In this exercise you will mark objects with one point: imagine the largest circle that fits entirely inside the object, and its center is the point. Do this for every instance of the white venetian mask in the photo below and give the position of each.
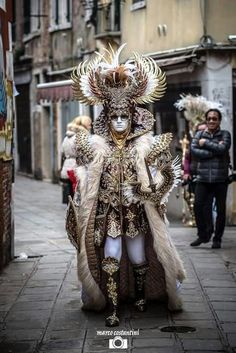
(120, 123)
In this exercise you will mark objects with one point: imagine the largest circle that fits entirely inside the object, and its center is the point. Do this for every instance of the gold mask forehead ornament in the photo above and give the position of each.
(118, 86)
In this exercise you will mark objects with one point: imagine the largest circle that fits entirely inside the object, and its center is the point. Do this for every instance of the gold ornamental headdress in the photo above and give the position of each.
(104, 81)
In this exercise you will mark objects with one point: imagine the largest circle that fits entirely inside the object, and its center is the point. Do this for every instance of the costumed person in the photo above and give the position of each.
(68, 161)
(83, 120)
(117, 219)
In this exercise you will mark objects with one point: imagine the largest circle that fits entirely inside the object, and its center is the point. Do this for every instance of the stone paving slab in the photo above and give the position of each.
(201, 333)
(61, 344)
(154, 350)
(30, 334)
(229, 327)
(206, 345)
(18, 347)
(152, 342)
(222, 283)
(232, 339)
(77, 350)
(222, 305)
(205, 351)
(65, 334)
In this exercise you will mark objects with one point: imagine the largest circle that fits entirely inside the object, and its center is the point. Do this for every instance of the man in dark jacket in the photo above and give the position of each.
(211, 148)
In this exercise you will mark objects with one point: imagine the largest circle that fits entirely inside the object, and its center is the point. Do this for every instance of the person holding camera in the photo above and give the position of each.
(211, 148)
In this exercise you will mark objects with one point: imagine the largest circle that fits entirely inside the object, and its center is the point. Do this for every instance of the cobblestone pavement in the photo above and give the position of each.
(39, 295)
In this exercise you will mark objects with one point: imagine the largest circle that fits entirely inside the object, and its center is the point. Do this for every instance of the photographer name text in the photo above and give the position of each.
(118, 333)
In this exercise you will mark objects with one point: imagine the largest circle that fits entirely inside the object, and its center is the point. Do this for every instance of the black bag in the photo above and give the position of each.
(67, 190)
(232, 175)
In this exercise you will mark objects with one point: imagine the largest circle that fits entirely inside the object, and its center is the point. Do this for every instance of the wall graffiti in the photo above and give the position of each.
(223, 96)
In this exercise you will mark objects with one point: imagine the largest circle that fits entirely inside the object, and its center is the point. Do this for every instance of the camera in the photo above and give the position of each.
(118, 343)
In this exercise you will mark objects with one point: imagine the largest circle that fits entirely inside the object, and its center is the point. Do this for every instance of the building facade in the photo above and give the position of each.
(50, 40)
(194, 42)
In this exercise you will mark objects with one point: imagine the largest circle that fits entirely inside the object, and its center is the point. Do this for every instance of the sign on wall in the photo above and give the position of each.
(6, 86)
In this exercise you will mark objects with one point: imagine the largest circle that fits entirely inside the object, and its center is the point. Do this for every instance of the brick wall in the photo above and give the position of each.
(6, 223)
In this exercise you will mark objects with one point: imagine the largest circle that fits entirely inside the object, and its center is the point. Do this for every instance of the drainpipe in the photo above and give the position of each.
(206, 40)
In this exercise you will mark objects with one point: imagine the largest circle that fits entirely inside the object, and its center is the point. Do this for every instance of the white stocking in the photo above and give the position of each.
(113, 247)
(136, 250)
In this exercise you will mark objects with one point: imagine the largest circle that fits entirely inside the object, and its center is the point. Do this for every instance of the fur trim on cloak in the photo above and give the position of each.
(164, 248)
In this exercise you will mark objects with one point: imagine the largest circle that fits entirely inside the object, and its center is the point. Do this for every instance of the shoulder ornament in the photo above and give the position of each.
(160, 145)
(84, 152)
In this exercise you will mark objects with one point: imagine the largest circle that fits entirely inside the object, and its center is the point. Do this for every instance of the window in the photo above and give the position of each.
(60, 14)
(32, 15)
(27, 8)
(108, 17)
(14, 20)
(35, 15)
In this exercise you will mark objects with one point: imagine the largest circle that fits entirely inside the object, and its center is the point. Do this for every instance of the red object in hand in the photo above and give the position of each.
(72, 177)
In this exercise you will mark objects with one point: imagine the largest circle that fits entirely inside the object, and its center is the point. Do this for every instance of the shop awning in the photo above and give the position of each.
(55, 91)
(175, 61)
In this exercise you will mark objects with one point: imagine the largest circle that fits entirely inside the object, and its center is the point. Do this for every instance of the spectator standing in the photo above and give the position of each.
(67, 162)
(211, 148)
(68, 175)
(83, 121)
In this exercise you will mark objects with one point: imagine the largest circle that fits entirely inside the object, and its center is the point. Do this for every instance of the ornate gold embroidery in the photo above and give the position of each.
(98, 237)
(140, 275)
(84, 153)
(113, 225)
(140, 278)
(112, 290)
(140, 305)
(160, 145)
(156, 193)
(118, 169)
(72, 226)
(110, 265)
(112, 320)
(130, 216)
(132, 231)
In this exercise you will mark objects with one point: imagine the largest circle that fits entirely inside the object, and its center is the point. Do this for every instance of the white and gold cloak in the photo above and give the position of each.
(165, 266)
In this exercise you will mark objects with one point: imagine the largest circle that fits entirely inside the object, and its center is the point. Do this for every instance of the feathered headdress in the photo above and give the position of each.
(101, 80)
(195, 108)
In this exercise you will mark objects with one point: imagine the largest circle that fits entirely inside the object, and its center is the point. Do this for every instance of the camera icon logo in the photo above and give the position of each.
(118, 343)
